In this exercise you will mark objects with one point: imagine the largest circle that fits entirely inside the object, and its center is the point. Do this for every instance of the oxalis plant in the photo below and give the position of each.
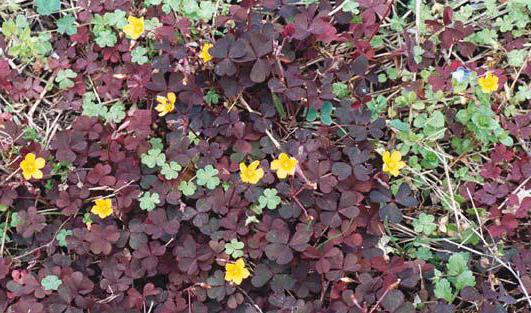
(264, 156)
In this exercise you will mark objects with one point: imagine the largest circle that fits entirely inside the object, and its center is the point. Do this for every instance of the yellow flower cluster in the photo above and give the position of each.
(284, 165)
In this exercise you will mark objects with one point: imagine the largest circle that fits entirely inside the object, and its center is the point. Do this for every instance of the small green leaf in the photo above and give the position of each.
(156, 143)
(465, 279)
(47, 7)
(116, 19)
(61, 237)
(277, 102)
(311, 115)
(457, 263)
(15, 220)
(51, 282)
(269, 199)
(443, 290)
(116, 113)
(138, 55)
(170, 170)
(424, 253)
(234, 248)
(153, 158)
(149, 200)
(187, 188)
(64, 78)
(66, 25)
(207, 176)
(340, 90)
(326, 111)
(351, 6)
(106, 38)
(425, 224)
(211, 97)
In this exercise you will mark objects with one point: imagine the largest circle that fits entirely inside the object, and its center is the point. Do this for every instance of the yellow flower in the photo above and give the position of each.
(393, 162)
(204, 52)
(236, 272)
(251, 174)
(166, 104)
(135, 28)
(102, 207)
(284, 165)
(488, 83)
(31, 166)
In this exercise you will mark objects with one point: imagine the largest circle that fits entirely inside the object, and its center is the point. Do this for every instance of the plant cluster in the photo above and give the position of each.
(263, 156)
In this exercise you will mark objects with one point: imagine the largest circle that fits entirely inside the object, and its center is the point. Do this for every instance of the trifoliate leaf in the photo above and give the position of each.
(187, 188)
(153, 158)
(51, 282)
(66, 25)
(149, 200)
(269, 199)
(61, 237)
(170, 170)
(47, 7)
(208, 177)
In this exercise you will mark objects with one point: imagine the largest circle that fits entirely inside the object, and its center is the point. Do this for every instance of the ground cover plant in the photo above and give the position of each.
(265, 156)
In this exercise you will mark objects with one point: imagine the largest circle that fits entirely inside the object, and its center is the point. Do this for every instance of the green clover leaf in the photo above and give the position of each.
(47, 7)
(61, 237)
(207, 176)
(149, 200)
(340, 90)
(64, 78)
(15, 220)
(187, 188)
(424, 224)
(66, 25)
(269, 199)
(234, 248)
(156, 143)
(116, 113)
(170, 170)
(106, 38)
(153, 158)
(138, 55)
(51, 282)
(211, 97)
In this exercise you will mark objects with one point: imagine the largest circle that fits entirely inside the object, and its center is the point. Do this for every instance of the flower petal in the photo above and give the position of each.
(396, 156)
(37, 174)
(39, 163)
(171, 97)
